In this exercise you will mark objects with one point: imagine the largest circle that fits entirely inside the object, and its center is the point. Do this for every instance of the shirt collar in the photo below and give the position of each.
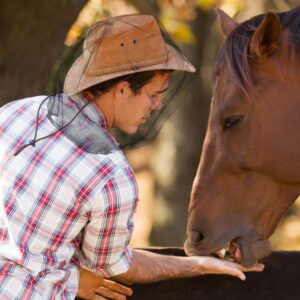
(87, 97)
(82, 122)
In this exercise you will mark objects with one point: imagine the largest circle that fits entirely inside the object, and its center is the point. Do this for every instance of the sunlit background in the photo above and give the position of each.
(32, 42)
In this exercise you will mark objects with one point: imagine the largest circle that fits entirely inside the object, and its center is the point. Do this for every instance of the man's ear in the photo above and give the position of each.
(122, 89)
(227, 24)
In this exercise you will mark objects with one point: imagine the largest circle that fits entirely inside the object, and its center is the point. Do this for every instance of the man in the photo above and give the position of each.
(68, 195)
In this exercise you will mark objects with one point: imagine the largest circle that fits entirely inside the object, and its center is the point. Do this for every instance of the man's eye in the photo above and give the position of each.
(232, 121)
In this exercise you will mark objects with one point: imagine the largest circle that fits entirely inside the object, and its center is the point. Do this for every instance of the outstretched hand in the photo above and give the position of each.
(93, 287)
(212, 265)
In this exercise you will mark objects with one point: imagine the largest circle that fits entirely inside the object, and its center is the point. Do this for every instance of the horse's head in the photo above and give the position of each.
(249, 172)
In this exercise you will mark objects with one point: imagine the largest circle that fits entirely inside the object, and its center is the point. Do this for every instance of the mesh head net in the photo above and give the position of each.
(113, 50)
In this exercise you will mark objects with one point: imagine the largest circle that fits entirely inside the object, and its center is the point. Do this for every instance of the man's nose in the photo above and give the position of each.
(157, 104)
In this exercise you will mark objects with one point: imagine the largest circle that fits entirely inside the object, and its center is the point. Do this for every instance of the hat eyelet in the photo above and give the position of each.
(122, 44)
(134, 41)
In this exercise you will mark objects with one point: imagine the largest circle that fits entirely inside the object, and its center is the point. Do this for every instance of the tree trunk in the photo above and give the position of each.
(32, 38)
(179, 142)
(146, 7)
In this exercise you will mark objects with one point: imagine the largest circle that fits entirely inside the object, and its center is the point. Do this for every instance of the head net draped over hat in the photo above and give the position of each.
(112, 48)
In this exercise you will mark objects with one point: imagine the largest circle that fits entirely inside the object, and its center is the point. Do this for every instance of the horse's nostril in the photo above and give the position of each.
(196, 236)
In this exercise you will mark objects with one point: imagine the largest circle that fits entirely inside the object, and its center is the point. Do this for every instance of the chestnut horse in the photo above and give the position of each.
(249, 172)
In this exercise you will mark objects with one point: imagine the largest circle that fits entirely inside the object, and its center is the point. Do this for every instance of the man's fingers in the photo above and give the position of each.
(258, 267)
(114, 286)
(97, 297)
(109, 293)
(237, 270)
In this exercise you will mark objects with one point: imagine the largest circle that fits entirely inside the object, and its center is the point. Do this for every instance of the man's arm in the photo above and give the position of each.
(150, 267)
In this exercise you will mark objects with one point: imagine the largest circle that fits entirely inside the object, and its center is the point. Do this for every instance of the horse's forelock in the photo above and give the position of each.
(234, 55)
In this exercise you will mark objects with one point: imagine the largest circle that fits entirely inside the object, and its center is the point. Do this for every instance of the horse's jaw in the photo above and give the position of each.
(248, 252)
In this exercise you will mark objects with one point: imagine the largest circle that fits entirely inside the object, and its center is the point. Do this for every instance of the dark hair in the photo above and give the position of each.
(136, 82)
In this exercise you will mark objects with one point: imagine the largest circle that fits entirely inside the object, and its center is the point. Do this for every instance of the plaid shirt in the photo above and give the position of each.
(61, 207)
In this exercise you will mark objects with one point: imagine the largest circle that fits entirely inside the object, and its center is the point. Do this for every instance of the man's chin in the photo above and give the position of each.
(132, 130)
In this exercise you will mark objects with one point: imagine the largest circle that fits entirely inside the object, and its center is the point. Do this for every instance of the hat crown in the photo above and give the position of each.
(123, 43)
(119, 46)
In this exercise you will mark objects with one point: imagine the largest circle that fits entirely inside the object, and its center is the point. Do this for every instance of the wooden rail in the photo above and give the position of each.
(279, 281)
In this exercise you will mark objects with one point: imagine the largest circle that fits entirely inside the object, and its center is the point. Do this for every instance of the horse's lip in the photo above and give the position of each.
(198, 249)
(235, 251)
(243, 249)
(251, 250)
(224, 249)
(206, 245)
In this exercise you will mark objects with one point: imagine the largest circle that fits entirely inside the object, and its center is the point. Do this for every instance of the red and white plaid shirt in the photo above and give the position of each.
(60, 207)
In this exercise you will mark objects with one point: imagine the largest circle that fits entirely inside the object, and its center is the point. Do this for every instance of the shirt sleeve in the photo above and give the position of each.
(107, 234)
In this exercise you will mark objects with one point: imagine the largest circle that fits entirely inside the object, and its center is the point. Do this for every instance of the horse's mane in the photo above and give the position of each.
(234, 55)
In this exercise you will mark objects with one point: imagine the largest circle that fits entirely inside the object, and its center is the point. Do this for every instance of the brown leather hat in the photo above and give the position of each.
(119, 46)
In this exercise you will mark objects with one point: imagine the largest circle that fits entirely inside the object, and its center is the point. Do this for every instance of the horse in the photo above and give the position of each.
(249, 171)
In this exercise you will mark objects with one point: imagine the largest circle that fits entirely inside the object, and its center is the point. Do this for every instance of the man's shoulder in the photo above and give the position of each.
(23, 102)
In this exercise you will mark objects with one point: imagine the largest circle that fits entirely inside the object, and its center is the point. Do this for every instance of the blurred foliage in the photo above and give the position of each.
(180, 31)
(95, 11)
(206, 4)
(287, 234)
(175, 15)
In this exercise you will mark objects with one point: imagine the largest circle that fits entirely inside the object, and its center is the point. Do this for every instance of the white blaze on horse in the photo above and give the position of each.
(249, 173)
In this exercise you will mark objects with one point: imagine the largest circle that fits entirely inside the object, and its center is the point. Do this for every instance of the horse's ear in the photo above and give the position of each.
(227, 24)
(265, 39)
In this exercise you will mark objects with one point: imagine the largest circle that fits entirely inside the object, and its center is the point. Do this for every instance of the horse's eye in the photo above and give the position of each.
(232, 121)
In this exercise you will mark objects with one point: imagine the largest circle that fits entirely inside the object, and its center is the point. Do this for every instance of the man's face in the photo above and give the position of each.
(133, 110)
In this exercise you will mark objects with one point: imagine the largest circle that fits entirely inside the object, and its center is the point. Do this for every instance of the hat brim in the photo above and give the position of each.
(76, 80)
